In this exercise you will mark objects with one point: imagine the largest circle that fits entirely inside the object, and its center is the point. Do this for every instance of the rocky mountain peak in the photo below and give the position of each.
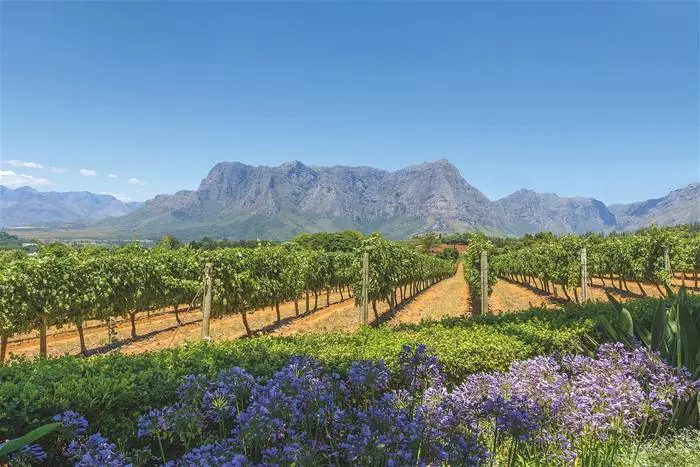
(236, 200)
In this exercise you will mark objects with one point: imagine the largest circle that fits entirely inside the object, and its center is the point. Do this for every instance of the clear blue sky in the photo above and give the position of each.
(592, 98)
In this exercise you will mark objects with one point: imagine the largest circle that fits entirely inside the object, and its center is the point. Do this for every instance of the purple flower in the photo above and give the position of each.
(155, 421)
(368, 379)
(517, 417)
(295, 406)
(34, 451)
(420, 369)
(95, 451)
(553, 409)
(72, 421)
(192, 389)
(228, 394)
(539, 380)
(384, 433)
(467, 451)
(220, 453)
(29, 455)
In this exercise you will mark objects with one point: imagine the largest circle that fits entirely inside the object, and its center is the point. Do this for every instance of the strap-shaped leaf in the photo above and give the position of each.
(625, 322)
(688, 334)
(16, 444)
(610, 329)
(669, 291)
(645, 336)
(617, 305)
(658, 327)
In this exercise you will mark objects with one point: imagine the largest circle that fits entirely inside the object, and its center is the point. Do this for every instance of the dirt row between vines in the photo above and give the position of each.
(447, 298)
(509, 296)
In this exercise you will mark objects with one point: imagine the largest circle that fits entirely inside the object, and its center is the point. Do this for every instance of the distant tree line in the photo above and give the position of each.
(8, 241)
(348, 240)
(211, 244)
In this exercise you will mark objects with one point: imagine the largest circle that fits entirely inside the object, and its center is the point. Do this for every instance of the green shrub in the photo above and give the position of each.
(681, 449)
(111, 390)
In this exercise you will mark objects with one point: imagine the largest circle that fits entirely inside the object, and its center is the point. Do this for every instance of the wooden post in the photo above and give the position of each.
(43, 352)
(3, 346)
(667, 262)
(206, 304)
(365, 288)
(584, 276)
(484, 282)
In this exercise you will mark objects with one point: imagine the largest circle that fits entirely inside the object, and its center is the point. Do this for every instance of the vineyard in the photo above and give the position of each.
(65, 287)
(632, 264)
(602, 370)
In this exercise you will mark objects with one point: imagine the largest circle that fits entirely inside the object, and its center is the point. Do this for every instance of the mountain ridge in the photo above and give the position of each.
(237, 200)
(25, 206)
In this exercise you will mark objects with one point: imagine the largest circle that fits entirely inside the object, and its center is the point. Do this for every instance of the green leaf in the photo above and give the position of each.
(626, 324)
(669, 291)
(614, 301)
(610, 329)
(658, 327)
(645, 336)
(16, 444)
(688, 334)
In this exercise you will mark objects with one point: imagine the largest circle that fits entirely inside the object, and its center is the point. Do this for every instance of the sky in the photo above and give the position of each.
(136, 98)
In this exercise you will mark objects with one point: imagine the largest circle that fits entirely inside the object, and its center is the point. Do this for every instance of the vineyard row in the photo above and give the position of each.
(63, 286)
(652, 256)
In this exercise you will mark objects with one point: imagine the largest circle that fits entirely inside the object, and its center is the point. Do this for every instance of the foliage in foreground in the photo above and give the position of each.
(573, 410)
(674, 332)
(674, 450)
(111, 390)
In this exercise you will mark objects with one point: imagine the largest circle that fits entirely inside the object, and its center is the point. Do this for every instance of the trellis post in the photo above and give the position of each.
(584, 275)
(206, 304)
(365, 288)
(484, 282)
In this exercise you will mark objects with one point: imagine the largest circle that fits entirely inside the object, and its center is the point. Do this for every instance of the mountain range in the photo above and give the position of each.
(242, 201)
(25, 207)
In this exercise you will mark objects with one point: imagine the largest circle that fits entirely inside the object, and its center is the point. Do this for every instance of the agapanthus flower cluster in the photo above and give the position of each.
(72, 421)
(31, 454)
(544, 408)
(368, 379)
(95, 451)
(87, 450)
(219, 453)
(420, 369)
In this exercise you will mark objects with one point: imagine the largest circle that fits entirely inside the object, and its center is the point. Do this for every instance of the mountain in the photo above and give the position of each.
(526, 211)
(25, 206)
(237, 200)
(242, 201)
(678, 207)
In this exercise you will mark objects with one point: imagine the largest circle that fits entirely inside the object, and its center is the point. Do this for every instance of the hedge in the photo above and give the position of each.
(111, 390)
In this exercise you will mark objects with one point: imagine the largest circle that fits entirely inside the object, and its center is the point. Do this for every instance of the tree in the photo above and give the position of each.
(426, 242)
